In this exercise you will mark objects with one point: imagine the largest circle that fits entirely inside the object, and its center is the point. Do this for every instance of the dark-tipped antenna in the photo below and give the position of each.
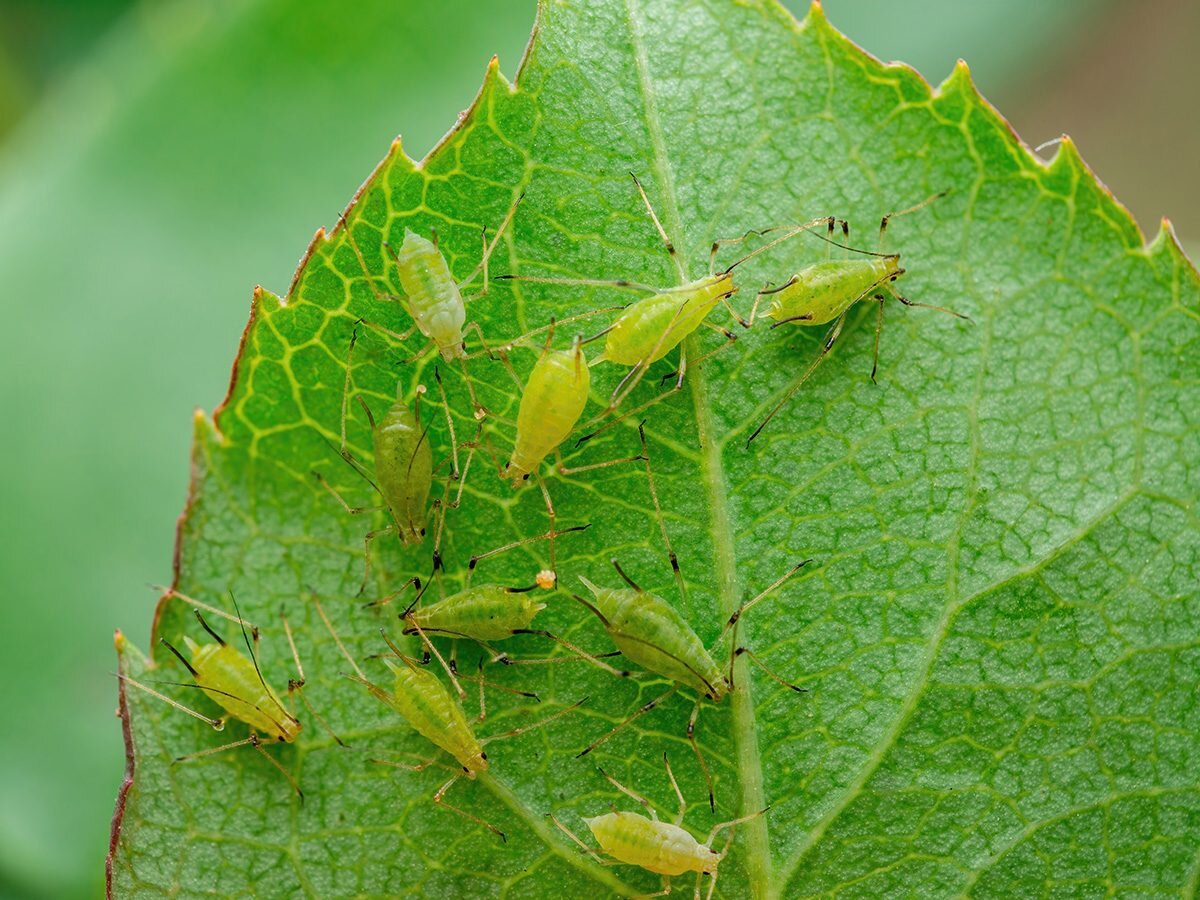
(203, 624)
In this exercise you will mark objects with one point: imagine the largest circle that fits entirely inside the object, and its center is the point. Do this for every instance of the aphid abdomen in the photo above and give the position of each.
(237, 688)
(550, 407)
(434, 300)
(656, 846)
(488, 612)
(652, 634)
(404, 469)
(823, 291)
(433, 712)
(653, 326)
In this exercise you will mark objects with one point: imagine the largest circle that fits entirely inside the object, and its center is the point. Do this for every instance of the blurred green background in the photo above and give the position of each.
(158, 158)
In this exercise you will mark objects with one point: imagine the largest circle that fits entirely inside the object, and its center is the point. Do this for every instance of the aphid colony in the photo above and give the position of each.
(646, 631)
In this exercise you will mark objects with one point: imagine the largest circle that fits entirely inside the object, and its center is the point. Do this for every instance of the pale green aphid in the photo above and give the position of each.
(233, 680)
(826, 291)
(402, 473)
(431, 295)
(665, 848)
(654, 325)
(420, 698)
(651, 633)
(551, 404)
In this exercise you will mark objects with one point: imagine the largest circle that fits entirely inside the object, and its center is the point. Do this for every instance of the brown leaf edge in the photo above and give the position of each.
(1165, 242)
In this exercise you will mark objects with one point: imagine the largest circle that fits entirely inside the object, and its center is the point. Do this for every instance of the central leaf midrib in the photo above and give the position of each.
(712, 472)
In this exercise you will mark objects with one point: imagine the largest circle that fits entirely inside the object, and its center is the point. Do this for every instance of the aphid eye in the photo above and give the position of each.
(525, 477)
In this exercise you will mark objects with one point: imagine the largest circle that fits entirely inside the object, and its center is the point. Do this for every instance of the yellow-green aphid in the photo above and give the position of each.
(826, 291)
(432, 296)
(234, 681)
(402, 474)
(654, 325)
(651, 633)
(551, 404)
(420, 698)
(665, 848)
(485, 612)
(403, 467)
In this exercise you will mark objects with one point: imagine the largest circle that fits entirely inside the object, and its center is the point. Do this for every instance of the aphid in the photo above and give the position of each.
(552, 402)
(402, 473)
(665, 848)
(654, 325)
(826, 291)
(432, 297)
(483, 613)
(421, 699)
(651, 633)
(233, 680)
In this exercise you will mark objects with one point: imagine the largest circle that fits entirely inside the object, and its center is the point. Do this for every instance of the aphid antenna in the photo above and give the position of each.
(629, 792)
(641, 711)
(187, 665)
(430, 648)
(246, 639)
(591, 606)
(580, 653)
(675, 787)
(791, 232)
(619, 283)
(731, 627)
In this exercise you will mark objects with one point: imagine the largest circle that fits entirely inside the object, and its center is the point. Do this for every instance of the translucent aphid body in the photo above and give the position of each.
(659, 847)
(435, 301)
(652, 634)
(655, 325)
(553, 401)
(826, 291)
(403, 469)
(231, 680)
(823, 291)
(435, 713)
(486, 612)
(665, 848)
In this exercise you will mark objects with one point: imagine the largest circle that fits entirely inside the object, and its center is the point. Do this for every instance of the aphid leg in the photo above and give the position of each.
(641, 711)
(441, 793)
(362, 263)
(732, 823)
(253, 739)
(480, 557)
(666, 889)
(352, 510)
(215, 724)
(672, 557)
(415, 581)
(337, 640)
(367, 539)
(580, 653)
(628, 792)
(830, 339)
(758, 662)
(790, 232)
(591, 851)
(554, 323)
(675, 787)
(732, 624)
(257, 745)
(691, 736)
(485, 683)
(533, 726)
(878, 330)
(296, 685)
(489, 248)
(941, 309)
(662, 233)
(398, 336)
(563, 469)
(208, 608)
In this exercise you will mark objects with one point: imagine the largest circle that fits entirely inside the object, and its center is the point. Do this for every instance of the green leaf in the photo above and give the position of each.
(998, 635)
